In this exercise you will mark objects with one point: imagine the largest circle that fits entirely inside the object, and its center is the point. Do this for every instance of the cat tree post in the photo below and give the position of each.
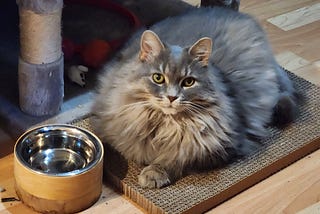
(40, 69)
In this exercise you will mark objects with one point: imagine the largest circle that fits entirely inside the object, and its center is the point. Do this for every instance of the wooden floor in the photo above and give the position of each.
(293, 28)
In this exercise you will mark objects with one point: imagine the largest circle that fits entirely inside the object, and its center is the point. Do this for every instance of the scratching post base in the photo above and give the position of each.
(41, 87)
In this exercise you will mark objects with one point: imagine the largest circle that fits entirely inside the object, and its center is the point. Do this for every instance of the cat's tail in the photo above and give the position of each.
(287, 107)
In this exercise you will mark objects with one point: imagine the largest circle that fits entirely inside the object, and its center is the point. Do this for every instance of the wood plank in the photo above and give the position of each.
(297, 18)
(266, 9)
(288, 191)
(303, 41)
(291, 61)
(310, 72)
(313, 209)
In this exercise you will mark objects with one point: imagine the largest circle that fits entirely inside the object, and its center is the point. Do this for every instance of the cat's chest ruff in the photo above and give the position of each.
(173, 130)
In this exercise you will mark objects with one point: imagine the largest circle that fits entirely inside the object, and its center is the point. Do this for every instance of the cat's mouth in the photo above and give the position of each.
(169, 110)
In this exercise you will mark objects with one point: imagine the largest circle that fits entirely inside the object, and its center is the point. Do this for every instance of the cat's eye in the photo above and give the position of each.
(188, 82)
(158, 78)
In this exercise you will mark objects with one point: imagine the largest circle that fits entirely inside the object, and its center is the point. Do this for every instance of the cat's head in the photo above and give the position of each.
(177, 78)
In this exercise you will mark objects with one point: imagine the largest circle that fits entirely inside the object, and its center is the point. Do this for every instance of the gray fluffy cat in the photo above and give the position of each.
(194, 91)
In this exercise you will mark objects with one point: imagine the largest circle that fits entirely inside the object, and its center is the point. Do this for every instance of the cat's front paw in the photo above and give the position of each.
(153, 176)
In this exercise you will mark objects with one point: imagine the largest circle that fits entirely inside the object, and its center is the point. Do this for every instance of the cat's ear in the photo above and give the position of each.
(201, 50)
(150, 46)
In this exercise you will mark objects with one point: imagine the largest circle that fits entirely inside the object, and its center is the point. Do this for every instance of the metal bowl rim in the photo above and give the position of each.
(86, 169)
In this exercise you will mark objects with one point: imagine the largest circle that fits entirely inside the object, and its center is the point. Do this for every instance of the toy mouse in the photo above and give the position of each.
(76, 74)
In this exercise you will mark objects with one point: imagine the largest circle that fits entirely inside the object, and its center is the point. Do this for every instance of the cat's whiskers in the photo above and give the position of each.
(197, 108)
(212, 114)
(130, 107)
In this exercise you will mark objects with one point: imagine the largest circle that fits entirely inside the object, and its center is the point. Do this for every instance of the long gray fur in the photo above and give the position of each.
(234, 99)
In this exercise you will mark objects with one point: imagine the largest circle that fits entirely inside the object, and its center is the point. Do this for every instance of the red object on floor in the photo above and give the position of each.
(97, 51)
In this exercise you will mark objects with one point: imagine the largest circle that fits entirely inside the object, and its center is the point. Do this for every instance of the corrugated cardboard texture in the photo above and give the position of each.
(199, 192)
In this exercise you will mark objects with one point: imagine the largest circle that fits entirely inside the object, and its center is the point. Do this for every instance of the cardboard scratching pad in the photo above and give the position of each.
(199, 192)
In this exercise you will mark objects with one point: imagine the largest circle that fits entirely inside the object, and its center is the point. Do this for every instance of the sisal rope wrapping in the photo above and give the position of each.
(40, 36)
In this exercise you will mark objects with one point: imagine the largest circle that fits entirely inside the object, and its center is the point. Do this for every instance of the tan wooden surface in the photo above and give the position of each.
(296, 188)
(289, 191)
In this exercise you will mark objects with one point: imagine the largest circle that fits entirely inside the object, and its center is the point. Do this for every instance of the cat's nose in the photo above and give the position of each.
(172, 98)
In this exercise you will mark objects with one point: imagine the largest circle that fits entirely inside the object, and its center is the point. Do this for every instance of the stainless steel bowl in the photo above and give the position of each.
(59, 150)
